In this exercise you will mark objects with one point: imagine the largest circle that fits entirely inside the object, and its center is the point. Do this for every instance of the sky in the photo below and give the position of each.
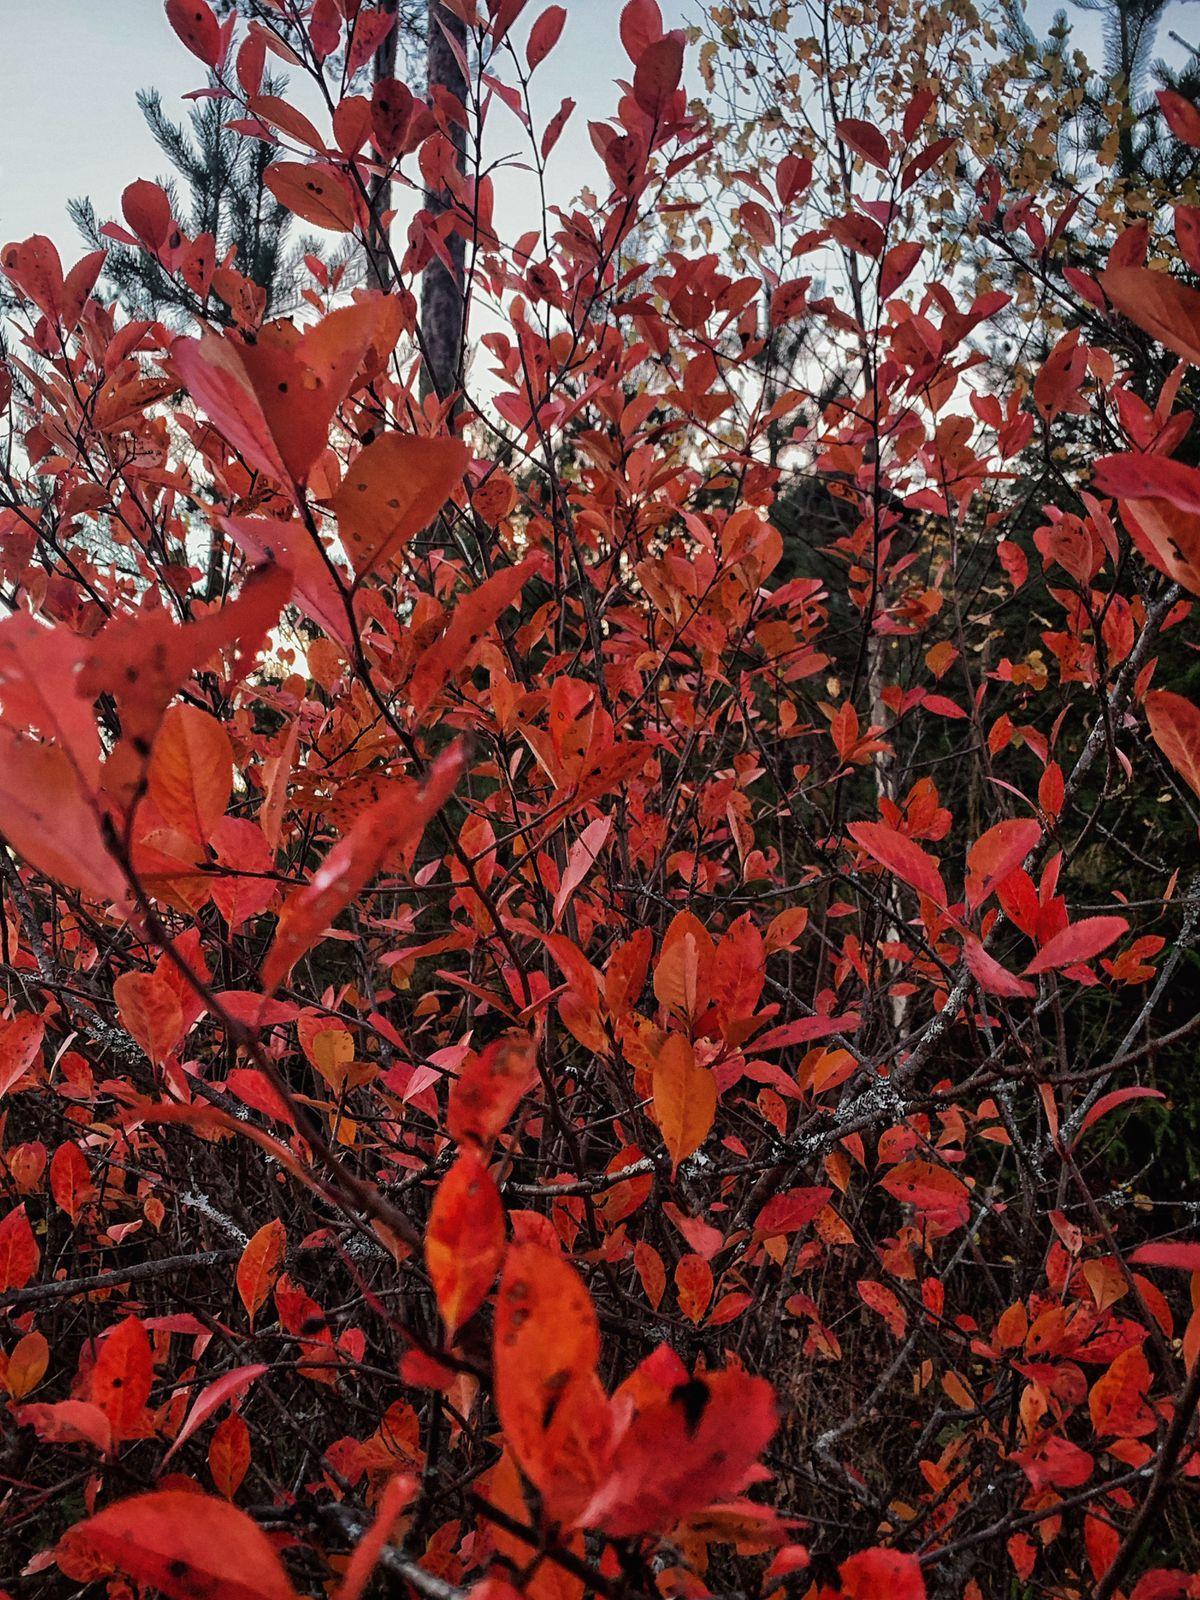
(74, 128)
(70, 125)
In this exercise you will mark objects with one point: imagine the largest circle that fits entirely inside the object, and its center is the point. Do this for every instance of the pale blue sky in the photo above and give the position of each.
(69, 123)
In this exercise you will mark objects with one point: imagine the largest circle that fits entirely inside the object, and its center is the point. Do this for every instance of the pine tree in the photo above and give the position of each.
(218, 188)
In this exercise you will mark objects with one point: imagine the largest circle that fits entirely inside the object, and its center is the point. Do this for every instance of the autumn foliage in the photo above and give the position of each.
(561, 1034)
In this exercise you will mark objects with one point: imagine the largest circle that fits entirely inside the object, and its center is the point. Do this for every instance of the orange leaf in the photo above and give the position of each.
(1167, 537)
(546, 1345)
(46, 818)
(191, 771)
(150, 1010)
(391, 490)
(26, 1365)
(315, 191)
(1118, 1399)
(685, 1098)
(259, 1266)
(694, 1286)
(684, 967)
(229, 1454)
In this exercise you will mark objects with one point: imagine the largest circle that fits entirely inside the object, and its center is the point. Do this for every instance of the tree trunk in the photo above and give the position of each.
(379, 267)
(442, 291)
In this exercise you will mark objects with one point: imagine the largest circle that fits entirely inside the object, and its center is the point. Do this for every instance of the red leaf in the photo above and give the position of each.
(1054, 1463)
(396, 1495)
(19, 1253)
(1175, 729)
(994, 855)
(48, 821)
(932, 1190)
(1182, 117)
(273, 400)
(67, 1422)
(196, 24)
(544, 35)
(1117, 1097)
(682, 1442)
(229, 1454)
(394, 823)
(1164, 307)
(901, 856)
(1117, 1402)
(188, 1546)
(213, 1396)
(70, 1179)
(991, 977)
(143, 660)
(121, 1379)
(866, 140)
(20, 1040)
(1081, 941)
(147, 209)
(886, 1303)
(1148, 477)
(315, 191)
(473, 617)
(489, 1088)
(1186, 1257)
(896, 266)
(881, 1574)
(464, 1241)
(788, 1212)
(657, 73)
(641, 24)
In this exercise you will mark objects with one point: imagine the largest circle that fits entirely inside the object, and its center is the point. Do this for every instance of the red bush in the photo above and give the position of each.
(575, 946)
